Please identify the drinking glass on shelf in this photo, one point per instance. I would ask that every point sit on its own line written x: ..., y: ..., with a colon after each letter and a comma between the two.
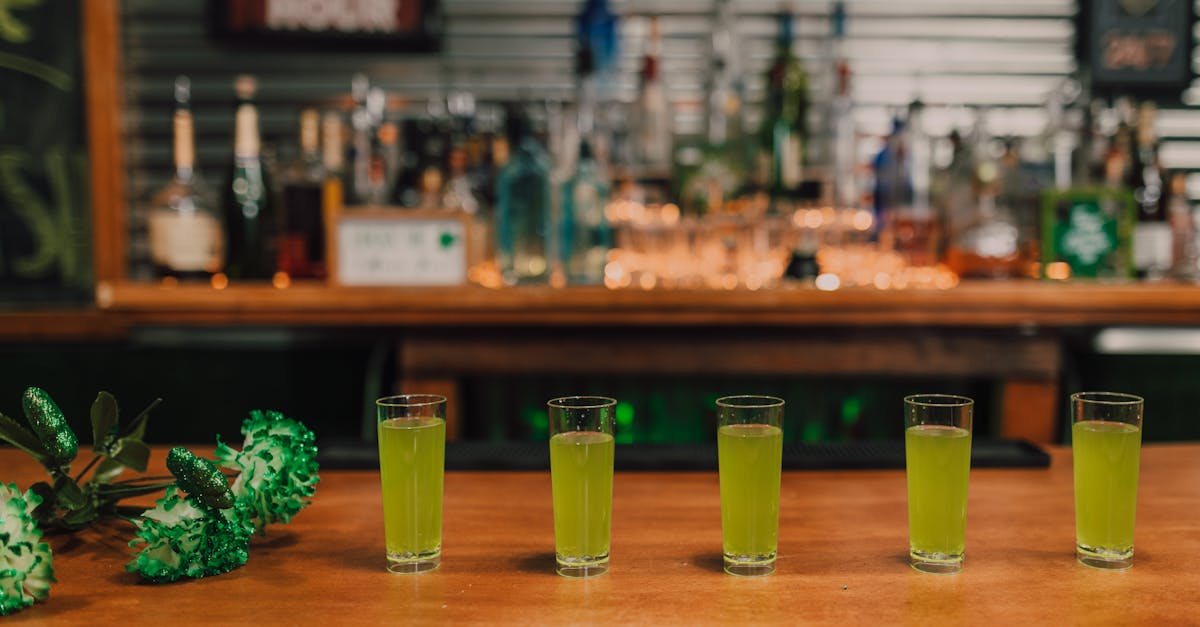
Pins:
x: 937, y: 452
x: 1106, y: 438
x: 412, y: 446
x: 750, y: 456
x: 581, y: 474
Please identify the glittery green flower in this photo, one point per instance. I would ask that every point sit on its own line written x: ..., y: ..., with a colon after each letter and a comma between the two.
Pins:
x: 277, y: 464
x: 26, y: 569
x: 185, y: 538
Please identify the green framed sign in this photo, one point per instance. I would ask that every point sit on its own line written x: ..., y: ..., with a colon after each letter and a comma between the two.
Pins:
x: 1089, y: 229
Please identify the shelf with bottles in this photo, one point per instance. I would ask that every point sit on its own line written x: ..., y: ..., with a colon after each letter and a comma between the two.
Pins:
x: 594, y: 191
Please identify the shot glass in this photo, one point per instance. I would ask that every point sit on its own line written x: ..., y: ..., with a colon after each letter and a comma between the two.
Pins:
x: 581, y: 472
x: 750, y: 459
x: 937, y: 454
x: 1106, y: 439
x: 412, y: 452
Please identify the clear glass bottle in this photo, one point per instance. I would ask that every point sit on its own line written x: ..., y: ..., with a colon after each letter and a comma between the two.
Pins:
x: 584, y: 234
x: 523, y: 229
x: 985, y: 242
x: 653, y: 134
x: 302, y: 234
x: 725, y: 160
x: 844, y: 141
x: 250, y: 218
x: 1152, y: 239
x: 186, y: 240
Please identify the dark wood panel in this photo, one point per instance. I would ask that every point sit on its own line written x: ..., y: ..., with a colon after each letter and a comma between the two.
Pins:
x: 894, y: 353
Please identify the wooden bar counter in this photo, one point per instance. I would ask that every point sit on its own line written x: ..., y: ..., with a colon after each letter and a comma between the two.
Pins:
x: 843, y: 546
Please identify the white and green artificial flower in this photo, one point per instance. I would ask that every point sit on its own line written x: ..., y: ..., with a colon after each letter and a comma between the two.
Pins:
x: 26, y: 564
x: 185, y: 538
x: 277, y: 467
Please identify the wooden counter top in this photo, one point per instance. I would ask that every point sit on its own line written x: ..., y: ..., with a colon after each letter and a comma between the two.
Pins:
x: 981, y: 304
x: 843, y: 543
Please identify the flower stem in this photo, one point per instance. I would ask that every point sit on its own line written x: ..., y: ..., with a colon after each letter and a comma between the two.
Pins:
x: 116, y: 493
x: 87, y: 468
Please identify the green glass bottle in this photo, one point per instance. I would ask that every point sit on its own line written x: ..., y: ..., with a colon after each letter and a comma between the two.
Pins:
x: 784, y: 130
x: 249, y: 215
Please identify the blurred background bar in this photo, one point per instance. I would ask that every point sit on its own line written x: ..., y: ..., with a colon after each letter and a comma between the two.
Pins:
x: 305, y: 205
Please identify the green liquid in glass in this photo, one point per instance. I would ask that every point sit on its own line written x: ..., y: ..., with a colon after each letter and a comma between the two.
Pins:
x: 411, y: 464
x: 1106, y: 474
x: 581, y: 471
x: 938, y: 462
x: 750, y: 458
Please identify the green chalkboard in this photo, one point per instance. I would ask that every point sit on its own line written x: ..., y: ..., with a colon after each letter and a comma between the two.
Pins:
x: 45, y: 225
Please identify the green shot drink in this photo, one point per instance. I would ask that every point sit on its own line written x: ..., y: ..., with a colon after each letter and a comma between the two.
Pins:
x: 750, y: 457
x: 1106, y: 475
x: 581, y: 471
x: 411, y: 463
x: 938, y: 462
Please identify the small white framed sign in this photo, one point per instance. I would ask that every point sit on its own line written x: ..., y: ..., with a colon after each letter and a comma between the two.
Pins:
x: 399, y: 247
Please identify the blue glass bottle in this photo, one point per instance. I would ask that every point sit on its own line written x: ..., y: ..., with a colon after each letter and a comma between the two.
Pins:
x: 523, y: 209
x: 585, y: 237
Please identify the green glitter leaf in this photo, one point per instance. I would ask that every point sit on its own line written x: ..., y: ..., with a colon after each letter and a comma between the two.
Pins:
x: 26, y: 563
x: 50, y: 426
x: 104, y: 421
x: 199, y: 478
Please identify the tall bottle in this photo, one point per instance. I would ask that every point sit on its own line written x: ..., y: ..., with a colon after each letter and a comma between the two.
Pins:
x: 725, y: 159
x: 250, y: 219
x: 783, y: 134
x: 302, y: 235
x: 584, y: 235
x: 1152, y: 239
x: 523, y: 229
x: 653, y: 148
x: 358, y: 152
x: 913, y: 227
x: 186, y: 241
x: 333, y: 162
x: 844, y: 141
x: 985, y: 242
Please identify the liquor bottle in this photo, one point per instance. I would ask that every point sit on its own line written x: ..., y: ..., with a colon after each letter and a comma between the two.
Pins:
x: 653, y: 148
x: 725, y: 159
x: 363, y: 129
x: 333, y: 188
x: 1152, y: 239
x: 249, y: 216
x: 597, y: 31
x: 186, y: 241
x: 912, y: 224
x: 333, y: 160
x: 844, y: 141
x: 984, y: 242
x: 783, y: 134
x: 1185, y: 228
x: 584, y: 235
x: 523, y: 207
x: 459, y: 195
x: 302, y: 233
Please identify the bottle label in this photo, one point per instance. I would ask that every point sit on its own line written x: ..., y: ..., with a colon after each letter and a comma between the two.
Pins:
x: 1152, y: 243
x: 185, y: 241
x: 1088, y: 238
